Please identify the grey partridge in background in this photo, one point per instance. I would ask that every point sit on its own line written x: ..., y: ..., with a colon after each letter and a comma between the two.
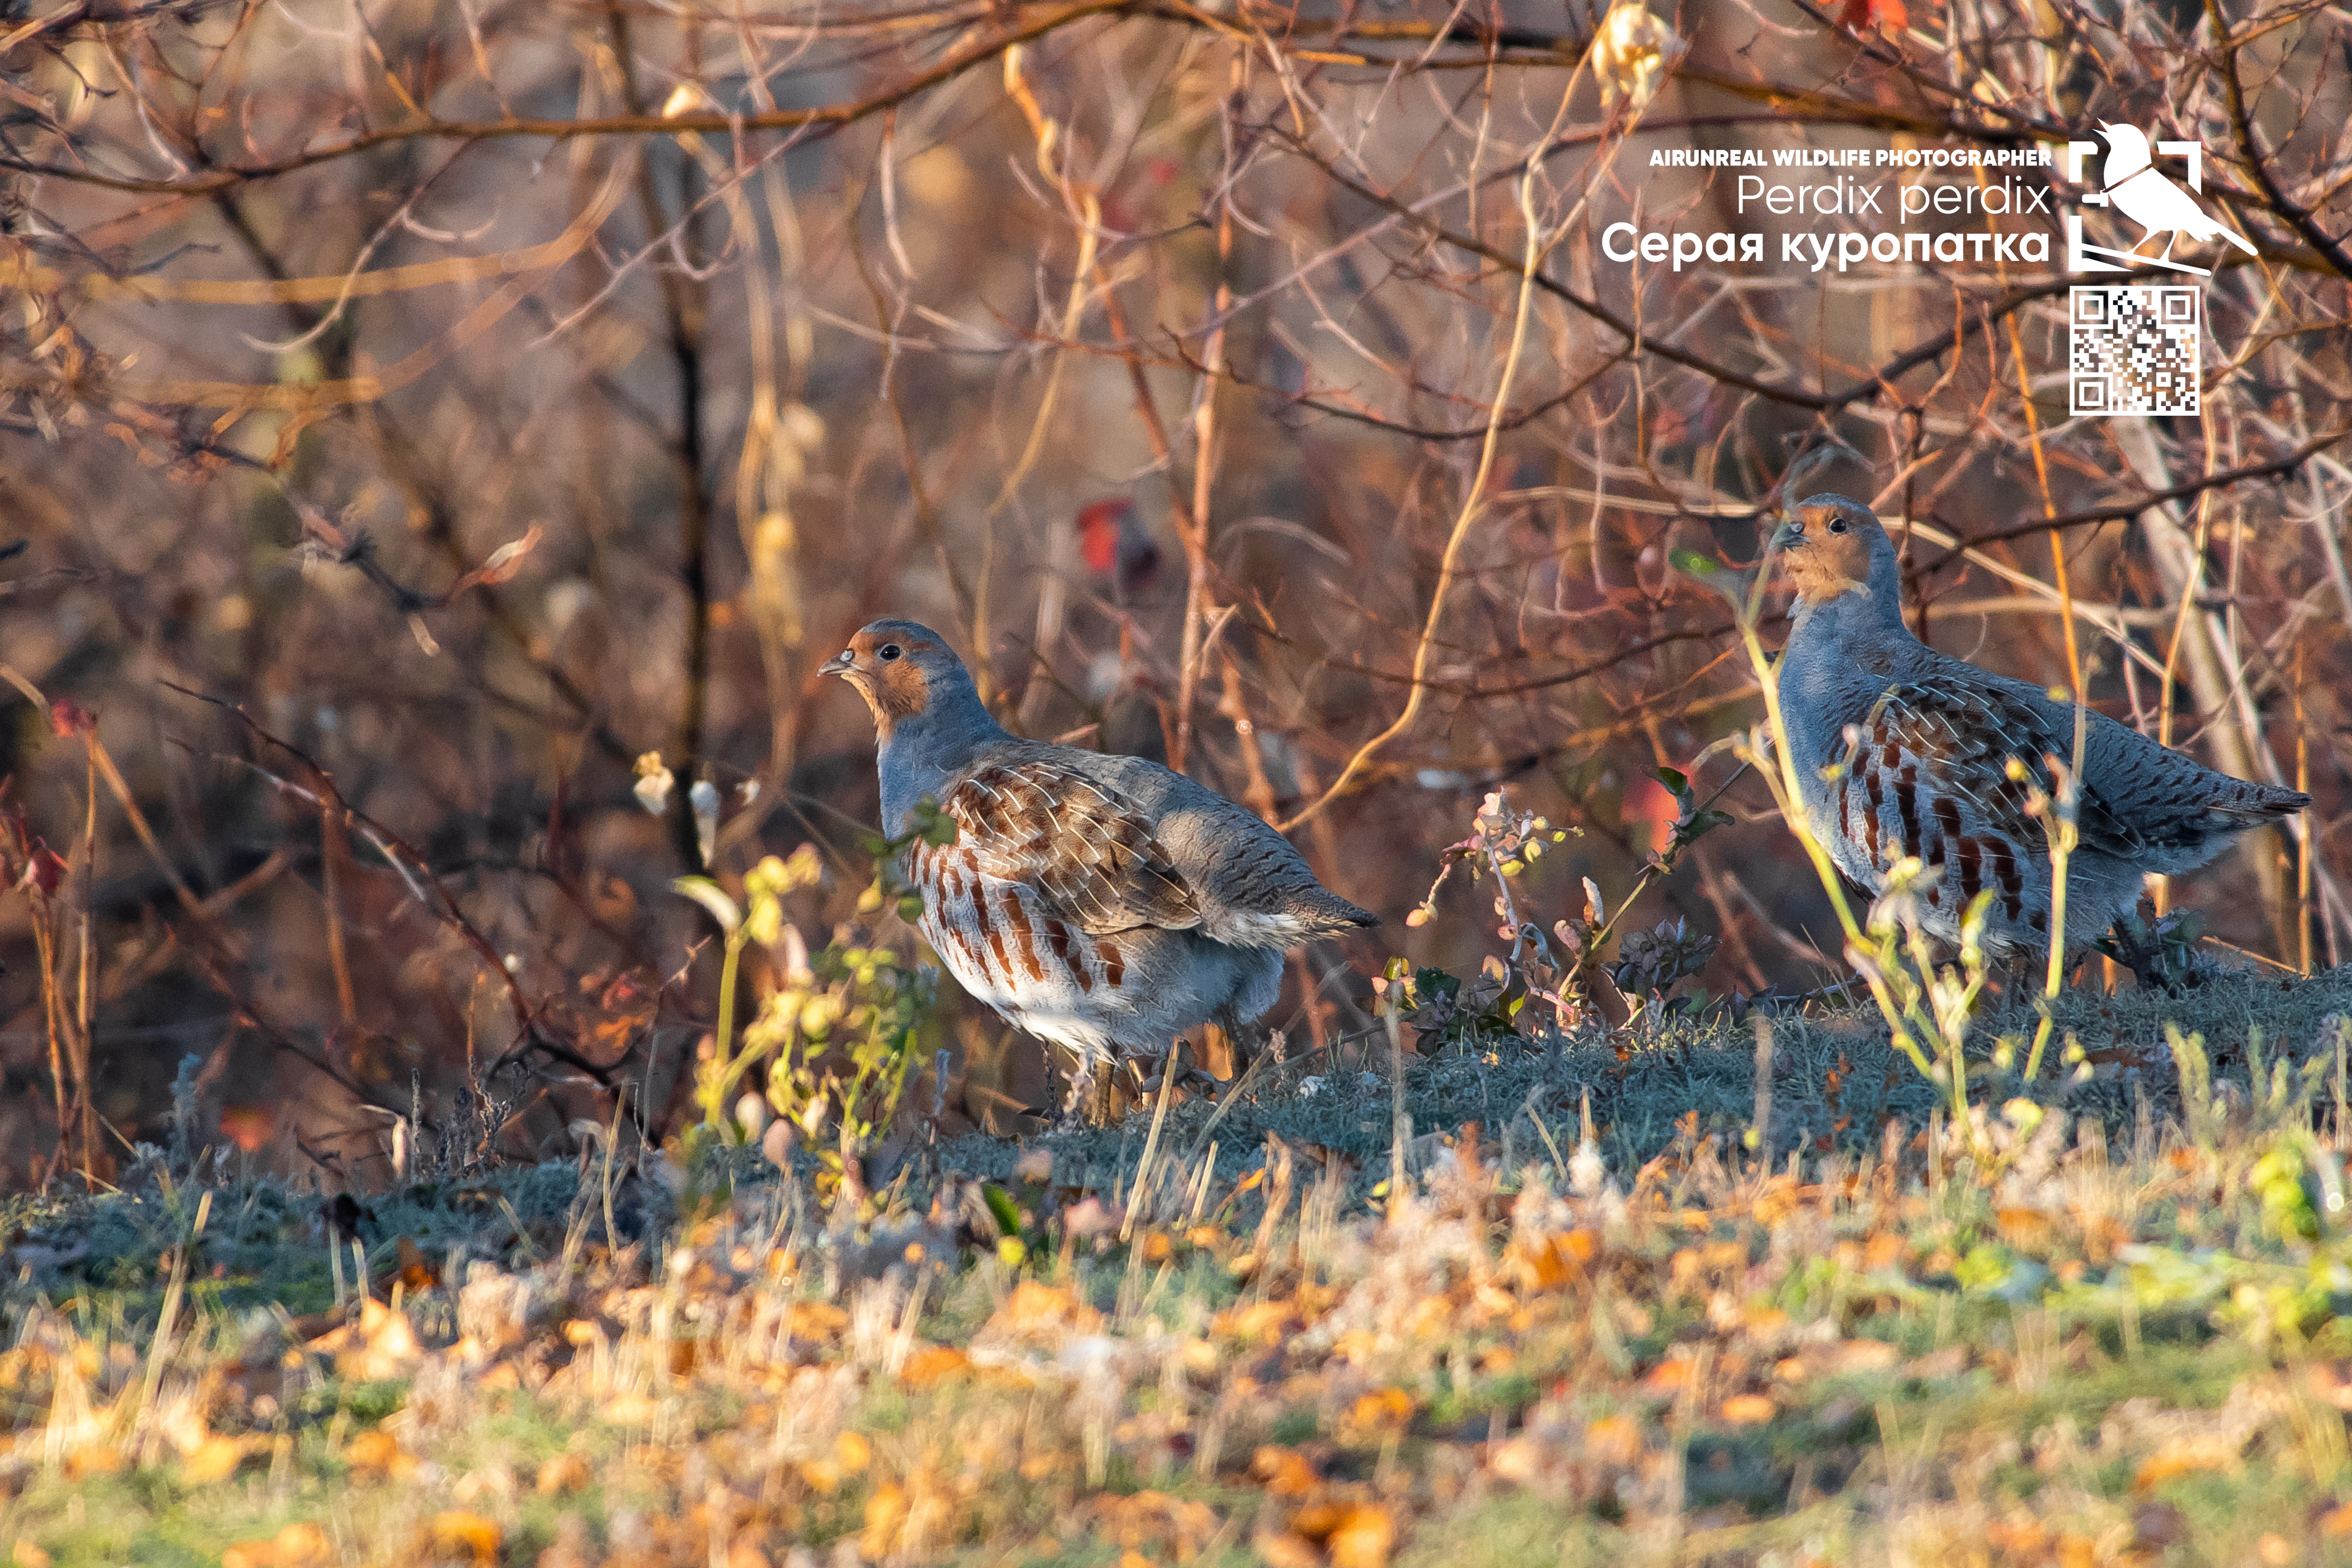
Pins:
x: 1102, y: 903
x: 1929, y: 740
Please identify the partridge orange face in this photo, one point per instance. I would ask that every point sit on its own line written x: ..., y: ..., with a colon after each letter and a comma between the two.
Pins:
x: 1827, y: 548
x: 891, y: 663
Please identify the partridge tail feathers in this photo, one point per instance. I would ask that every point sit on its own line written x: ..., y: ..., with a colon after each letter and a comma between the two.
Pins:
x: 2251, y: 804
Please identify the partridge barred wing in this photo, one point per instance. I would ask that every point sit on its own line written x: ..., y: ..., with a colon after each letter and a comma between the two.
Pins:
x: 1088, y: 850
x: 1940, y: 748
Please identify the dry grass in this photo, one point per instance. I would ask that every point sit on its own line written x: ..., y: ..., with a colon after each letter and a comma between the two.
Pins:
x: 2104, y: 1338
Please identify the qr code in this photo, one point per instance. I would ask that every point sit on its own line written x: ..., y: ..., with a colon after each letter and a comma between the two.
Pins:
x: 2134, y: 349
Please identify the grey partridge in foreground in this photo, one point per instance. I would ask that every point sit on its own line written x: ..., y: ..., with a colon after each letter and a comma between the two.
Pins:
x: 1902, y: 749
x: 1103, y: 903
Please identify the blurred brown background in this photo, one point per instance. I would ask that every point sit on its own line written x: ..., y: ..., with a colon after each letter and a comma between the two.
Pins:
x: 479, y: 396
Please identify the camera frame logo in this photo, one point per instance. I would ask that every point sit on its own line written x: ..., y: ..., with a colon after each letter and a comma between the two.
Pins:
x: 2139, y: 348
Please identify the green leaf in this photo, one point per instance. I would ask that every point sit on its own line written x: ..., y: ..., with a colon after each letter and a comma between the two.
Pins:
x: 1676, y: 783
x: 1002, y: 1209
x: 1693, y: 563
x: 713, y: 898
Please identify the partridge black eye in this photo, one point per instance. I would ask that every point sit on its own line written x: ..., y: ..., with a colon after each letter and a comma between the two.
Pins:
x: 890, y: 650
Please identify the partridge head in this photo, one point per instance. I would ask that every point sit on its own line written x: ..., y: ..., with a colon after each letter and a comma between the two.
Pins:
x: 1901, y: 750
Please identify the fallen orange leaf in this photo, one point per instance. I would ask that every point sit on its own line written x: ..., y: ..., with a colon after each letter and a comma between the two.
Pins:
x: 886, y: 1510
x: 455, y: 1531
x: 1363, y: 1538
x: 1668, y: 1375
x: 300, y: 1541
x: 1613, y: 1440
x: 416, y: 1273
x: 1748, y: 1409
x: 2024, y: 1539
x: 1260, y: 1320
x: 1285, y: 1471
x: 2185, y: 1455
x: 375, y: 1449
x: 563, y: 1473
x: 249, y: 1126
x: 1316, y: 1521
x: 932, y: 1365
x: 628, y: 1410
x: 1286, y: 1551
x: 212, y: 1461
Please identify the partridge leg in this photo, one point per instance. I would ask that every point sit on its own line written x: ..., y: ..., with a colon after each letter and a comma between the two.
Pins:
x: 1075, y: 1102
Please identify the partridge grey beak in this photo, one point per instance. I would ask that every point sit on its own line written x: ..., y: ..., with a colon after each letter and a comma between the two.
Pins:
x: 839, y: 664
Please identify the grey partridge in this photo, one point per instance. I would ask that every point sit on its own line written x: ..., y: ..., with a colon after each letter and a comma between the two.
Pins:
x: 1102, y: 903
x: 1902, y: 749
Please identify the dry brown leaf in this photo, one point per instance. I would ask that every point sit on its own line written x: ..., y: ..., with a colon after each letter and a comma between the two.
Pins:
x: 1363, y: 1538
x: 375, y: 1449
x: 385, y: 1346
x: 2185, y: 1455
x: 298, y: 1545
x: 1286, y: 1551
x: 1518, y: 1460
x: 456, y: 1531
x: 1389, y: 1407
x: 563, y: 1473
x: 94, y: 1460
x: 1668, y: 1376
x: 415, y: 1272
x: 2025, y: 1228
x: 300, y: 1542
x: 1316, y: 1521
x: 1261, y: 1321
x: 1285, y: 1471
x: 885, y: 1515
x: 818, y: 1320
x: 1613, y: 1440
x: 629, y: 1410
x: 2025, y: 1538
x: 1863, y: 1355
x: 212, y: 1461
x: 1036, y: 1308
x: 932, y: 1365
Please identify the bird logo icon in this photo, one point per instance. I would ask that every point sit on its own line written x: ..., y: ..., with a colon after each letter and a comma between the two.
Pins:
x: 2136, y: 189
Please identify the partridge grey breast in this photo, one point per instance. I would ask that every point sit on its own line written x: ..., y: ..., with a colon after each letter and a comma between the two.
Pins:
x: 1103, y: 903
x: 1902, y: 749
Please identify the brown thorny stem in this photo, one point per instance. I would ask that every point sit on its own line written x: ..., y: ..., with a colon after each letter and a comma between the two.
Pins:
x: 1473, y: 500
